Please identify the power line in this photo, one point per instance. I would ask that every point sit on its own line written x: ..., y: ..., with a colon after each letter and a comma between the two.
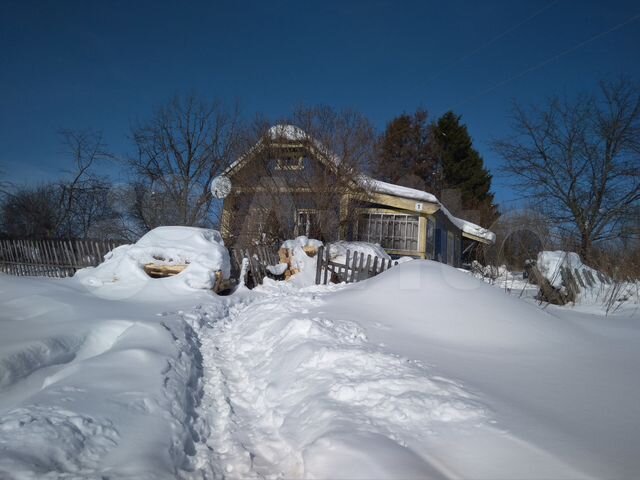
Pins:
x: 549, y: 60
x: 490, y: 42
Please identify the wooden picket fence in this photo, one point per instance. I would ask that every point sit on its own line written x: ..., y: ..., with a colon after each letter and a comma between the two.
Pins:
x: 259, y: 258
x: 52, y: 258
x: 356, y: 267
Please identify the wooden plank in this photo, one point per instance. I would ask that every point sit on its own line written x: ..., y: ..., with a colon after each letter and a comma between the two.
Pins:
x: 21, y: 256
x: 54, y: 258
x: 326, y: 269
x: 82, y: 255
x: 366, y: 268
x: 162, y: 271
x: 360, y: 267
x: 53, y: 269
x: 375, y: 265
x: 347, y: 265
x: 351, y: 277
x: 319, y: 257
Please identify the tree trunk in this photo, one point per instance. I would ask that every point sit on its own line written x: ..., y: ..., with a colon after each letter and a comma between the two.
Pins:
x: 585, y: 247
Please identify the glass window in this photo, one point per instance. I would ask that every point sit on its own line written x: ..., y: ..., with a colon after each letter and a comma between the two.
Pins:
x: 306, y: 221
x: 394, y: 232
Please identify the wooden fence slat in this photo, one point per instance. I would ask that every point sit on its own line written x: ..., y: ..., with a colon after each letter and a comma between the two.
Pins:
x: 319, y: 258
x: 326, y: 269
x: 347, y: 266
x: 366, y: 268
x: 375, y: 266
x: 360, y: 267
x: 351, y: 276
x: 20, y: 254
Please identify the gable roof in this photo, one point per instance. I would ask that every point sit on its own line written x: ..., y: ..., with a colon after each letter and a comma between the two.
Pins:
x: 289, y: 133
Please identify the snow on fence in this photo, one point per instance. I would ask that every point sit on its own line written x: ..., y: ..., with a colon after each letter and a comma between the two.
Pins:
x: 259, y: 258
x: 52, y: 258
x: 356, y: 267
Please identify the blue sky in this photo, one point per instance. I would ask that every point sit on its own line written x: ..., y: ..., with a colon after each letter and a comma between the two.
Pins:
x: 103, y: 65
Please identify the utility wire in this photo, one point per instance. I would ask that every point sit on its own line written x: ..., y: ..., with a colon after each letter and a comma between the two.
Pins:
x: 549, y: 60
x: 464, y: 57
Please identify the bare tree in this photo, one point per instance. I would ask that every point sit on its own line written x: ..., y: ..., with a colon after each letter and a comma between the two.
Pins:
x: 580, y: 161
x: 186, y: 143
x: 85, y: 209
x: 31, y: 212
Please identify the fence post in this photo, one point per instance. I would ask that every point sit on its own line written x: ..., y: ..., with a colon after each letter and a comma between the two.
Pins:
x: 319, y: 261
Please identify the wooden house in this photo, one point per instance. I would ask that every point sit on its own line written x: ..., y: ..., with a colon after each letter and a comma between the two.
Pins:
x: 288, y: 185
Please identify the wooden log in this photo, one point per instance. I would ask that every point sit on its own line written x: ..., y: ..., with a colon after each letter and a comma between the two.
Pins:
x: 162, y: 271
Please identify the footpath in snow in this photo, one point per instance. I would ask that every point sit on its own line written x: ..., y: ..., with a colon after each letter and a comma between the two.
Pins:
x: 421, y: 372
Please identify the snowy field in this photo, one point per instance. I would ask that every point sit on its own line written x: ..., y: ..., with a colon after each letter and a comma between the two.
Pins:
x: 420, y: 372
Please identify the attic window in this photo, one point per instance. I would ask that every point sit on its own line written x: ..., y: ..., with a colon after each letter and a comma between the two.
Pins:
x: 290, y: 161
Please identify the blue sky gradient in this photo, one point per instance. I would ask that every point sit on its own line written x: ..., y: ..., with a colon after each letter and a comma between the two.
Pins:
x: 103, y: 65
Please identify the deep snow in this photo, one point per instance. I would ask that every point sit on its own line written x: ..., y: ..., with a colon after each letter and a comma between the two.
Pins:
x: 422, y: 371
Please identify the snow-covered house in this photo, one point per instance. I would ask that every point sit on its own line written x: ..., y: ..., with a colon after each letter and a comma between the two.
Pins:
x: 289, y: 184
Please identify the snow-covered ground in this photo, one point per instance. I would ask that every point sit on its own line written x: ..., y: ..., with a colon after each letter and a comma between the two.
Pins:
x: 420, y: 372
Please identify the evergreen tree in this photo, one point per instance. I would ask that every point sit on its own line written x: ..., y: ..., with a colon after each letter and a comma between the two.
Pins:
x: 404, y: 154
x: 463, y: 168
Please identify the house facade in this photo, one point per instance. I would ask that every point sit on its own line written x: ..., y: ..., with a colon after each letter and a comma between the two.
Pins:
x: 289, y: 185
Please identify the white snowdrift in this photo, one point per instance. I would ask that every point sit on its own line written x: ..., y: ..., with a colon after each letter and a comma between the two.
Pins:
x: 322, y: 401
x: 301, y: 241
x: 594, y: 287
x: 338, y: 250
x: 201, y: 249
x: 92, y: 388
x: 558, y: 383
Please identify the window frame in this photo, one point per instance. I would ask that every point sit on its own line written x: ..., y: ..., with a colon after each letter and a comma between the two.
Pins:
x: 308, y: 225
x: 396, y: 237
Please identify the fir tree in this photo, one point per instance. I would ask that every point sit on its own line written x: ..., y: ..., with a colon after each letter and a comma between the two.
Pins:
x: 405, y: 154
x: 463, y: 168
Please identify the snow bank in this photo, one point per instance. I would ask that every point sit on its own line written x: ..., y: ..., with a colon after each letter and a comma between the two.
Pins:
x: 202, y: 250
x: 338, y: 250
x: 301, y: 241
x: 562, y: 397
x: 593, y: 287
x: 92, y: 388
x: 550, y: 265
x: 306, y: 267
x: 319, y: 399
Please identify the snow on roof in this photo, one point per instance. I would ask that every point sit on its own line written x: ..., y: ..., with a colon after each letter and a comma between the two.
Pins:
x: 469, y: 227
x: 379, y: 186
x: 288, y: 132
